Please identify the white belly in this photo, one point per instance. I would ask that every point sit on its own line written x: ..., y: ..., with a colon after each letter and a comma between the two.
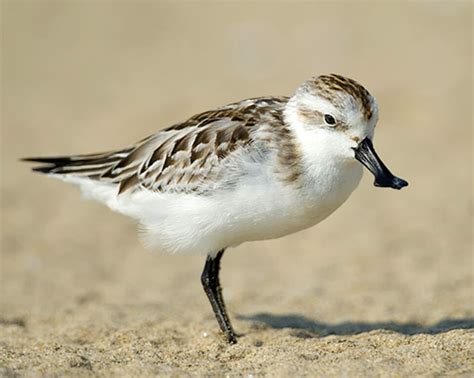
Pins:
x: 278, y: 209
x: 254, y: 210
x: 259, y: 206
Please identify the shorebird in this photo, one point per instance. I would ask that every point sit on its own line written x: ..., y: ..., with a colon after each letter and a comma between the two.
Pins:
x: 256, y: 169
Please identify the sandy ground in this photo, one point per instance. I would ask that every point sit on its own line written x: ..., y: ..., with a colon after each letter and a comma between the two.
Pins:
x: 384, y: 287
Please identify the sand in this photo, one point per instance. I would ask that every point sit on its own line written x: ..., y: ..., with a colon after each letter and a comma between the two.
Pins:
x: 384, y: 287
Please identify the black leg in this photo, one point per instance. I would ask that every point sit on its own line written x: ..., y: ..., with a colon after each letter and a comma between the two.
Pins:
x: 212, y: 287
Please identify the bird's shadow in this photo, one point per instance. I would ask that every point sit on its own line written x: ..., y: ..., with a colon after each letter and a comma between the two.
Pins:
x: 306, y: 328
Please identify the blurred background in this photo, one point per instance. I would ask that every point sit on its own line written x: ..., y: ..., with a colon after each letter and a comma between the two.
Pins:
x: 80, y: 77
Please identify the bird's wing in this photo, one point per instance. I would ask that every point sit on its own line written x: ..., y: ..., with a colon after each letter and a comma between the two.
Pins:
x: 180, y: 158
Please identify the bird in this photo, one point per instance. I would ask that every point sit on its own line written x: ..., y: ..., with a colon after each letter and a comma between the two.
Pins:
x: 256, y: 169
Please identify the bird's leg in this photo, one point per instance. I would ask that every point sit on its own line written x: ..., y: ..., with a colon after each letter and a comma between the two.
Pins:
x: 212, y: 287
x: 220, y: 298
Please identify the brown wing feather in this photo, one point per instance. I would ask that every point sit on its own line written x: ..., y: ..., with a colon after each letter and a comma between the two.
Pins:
x: 178, y: 158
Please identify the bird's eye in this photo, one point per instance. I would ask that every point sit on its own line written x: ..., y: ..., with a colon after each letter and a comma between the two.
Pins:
x: 329, y: 119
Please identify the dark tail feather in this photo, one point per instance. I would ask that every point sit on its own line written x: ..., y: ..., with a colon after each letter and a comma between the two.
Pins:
x: 83, y: 165
x: 48, y: 164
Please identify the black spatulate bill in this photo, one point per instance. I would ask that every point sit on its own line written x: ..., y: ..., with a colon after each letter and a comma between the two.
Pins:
x: 365, y: 153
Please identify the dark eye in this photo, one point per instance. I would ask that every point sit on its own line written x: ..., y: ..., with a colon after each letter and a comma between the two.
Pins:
x: 329, y: 119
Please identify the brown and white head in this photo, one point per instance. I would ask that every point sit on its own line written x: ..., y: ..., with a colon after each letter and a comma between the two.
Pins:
x: 335, y: 117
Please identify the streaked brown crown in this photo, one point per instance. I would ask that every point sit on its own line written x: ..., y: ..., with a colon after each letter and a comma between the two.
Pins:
x: 330, y: 87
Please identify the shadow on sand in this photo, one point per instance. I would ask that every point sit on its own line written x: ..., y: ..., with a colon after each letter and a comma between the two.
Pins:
x: 310, y: 328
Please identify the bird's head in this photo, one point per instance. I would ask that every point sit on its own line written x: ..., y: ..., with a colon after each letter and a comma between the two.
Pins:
x: 339, y: 115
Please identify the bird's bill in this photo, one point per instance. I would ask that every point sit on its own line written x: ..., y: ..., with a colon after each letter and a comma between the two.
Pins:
x: 365, y: 153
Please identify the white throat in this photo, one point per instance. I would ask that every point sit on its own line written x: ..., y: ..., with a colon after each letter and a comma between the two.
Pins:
x: 327, y: 171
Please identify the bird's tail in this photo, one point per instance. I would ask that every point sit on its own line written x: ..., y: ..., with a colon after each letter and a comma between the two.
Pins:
x: 92, y: 166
